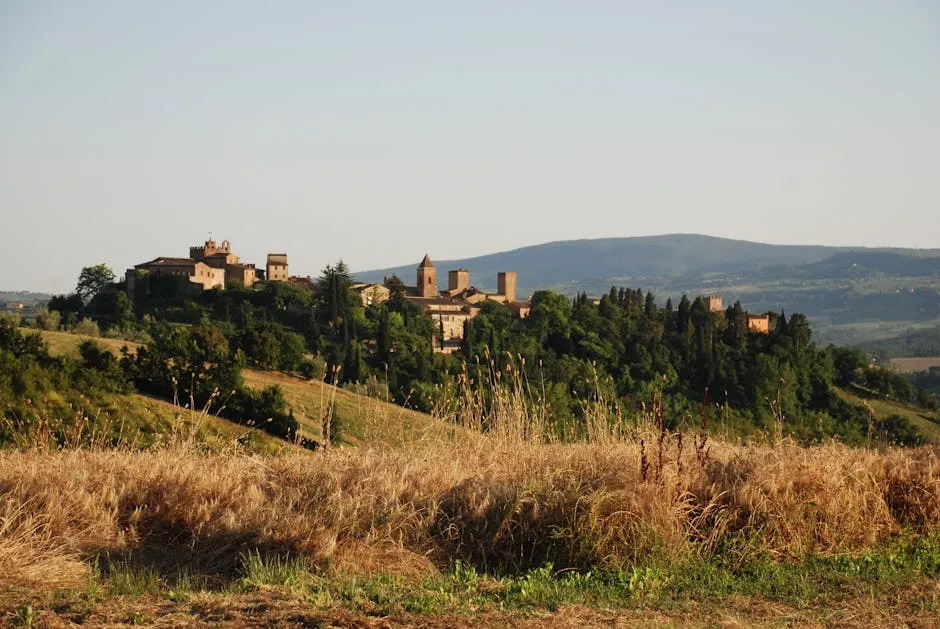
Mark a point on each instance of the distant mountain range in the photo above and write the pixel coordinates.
(853, 294)
(577, 265)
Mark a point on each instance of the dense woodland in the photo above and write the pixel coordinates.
(626, 351)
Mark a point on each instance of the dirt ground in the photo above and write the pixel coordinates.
(275, 607)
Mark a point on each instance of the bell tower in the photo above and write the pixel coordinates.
(427, 278)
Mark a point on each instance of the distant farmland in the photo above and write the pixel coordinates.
(913, 365)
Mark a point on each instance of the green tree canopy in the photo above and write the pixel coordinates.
(92, 280)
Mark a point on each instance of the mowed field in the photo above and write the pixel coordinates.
(916, 364)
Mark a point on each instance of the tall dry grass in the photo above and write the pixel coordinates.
(511, 499)
(496, 504)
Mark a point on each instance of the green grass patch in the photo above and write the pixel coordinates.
(263, 569)
(128, 578)
(928, 423)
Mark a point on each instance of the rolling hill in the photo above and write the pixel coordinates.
(579, 262)
(361, 419)
(852, 294)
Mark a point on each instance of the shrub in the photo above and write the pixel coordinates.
(86, 327)
(370, 388)
(313, 368)
(48, 320)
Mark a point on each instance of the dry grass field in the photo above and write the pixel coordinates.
(428, 521)
(154, 528)
(66, 343)
(362, 419)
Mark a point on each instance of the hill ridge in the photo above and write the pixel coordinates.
(558, 263)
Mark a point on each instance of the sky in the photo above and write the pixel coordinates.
(376, 132)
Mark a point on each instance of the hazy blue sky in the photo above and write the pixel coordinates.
(378, 131)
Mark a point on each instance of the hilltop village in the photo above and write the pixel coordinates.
(414, 340)
(213, 265)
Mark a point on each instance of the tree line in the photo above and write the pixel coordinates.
(624, 347)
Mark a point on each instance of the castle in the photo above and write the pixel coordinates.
(210, 265)
(451, 308)
(759, 324)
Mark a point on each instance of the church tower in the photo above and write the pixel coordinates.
(427, 278)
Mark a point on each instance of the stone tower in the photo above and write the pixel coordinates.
(458, 280)
(427, 278)
(506, 282)
(714, 303)
(277, 267)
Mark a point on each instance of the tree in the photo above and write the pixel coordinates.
(334, 287)
(111, 307)
(68, 306)
(397, 292)
(48, 320)
(92, 280)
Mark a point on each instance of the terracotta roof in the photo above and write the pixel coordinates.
(362, 287)
(426, 263)
(433, 301)
(168, 262)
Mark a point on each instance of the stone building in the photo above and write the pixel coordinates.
(276, 268)
(450, 309)
(756, 323)
(197, 272)
(458, 281)
(759, 324)
(244, 274)
(372, 293)
(714, 303)
(220, 256)
(506, 285)
(305, 282)
(210, 265)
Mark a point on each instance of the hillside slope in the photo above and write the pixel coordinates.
(142, 420)
(361, 419)
(926, 422)
(62, 343)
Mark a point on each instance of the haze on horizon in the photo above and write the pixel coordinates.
(376, 132)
